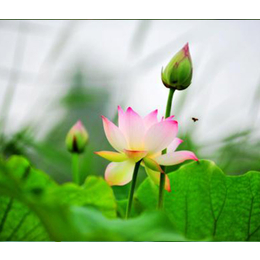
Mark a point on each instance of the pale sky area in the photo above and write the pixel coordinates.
(225, 55)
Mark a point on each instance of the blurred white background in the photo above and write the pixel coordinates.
(38, 57)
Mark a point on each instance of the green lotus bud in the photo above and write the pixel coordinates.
(178, 72)
(77, 138)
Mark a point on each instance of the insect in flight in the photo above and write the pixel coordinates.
(194, 119)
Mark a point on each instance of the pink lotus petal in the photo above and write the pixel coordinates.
(174, 145)
(170, 118)
(133, 129)
(175, 158)
(155, 177)
(186, 50)
(151, 119)
(119, 173)
(160, 135)
(121, 118)
(112, 156)
(78, 125)
(135, 155)
(114, 135)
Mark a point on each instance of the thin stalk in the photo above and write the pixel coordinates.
(132, 189)
(162, 177)
(75, 167)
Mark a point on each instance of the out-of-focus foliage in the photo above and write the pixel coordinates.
(207, 204)
(235, 154)
(94, 192)
(239, 153)
(35, 208)
(204, 204)
(17, 221)
(28, 193)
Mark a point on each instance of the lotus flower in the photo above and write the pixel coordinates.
(138, 138)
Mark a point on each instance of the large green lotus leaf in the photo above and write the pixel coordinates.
(122, 205)
(151, 226)
(94, 192)
(19, 223)
(18, 182)
(35, 208)
(84, 223)
(76, 223)
(30, 200)
(207, 204)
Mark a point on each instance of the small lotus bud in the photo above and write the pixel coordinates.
(77, 138)
(178, 72)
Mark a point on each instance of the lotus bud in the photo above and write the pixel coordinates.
(77, 138)
(178, 72)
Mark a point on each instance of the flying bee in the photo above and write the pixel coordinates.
(194, 119)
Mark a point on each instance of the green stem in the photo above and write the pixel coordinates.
(162, 177)
(75, 167)
(132, 189)
(169, 103)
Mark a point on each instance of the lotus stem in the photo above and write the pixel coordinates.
(131, 192)
(162, 177)
(75, 167)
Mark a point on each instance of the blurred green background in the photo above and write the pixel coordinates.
(53, 73)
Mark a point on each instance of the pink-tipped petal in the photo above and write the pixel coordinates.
(152, 164)
(135, 155)
(121, 118)
(174, 145)
(133, 128)
(160, 135)
(119, 173)
(155, 177)
(175, 158)
(151, 119)
(186, 50)
(78, 125)
(170, 118)
(112, 156)
(114, 135)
